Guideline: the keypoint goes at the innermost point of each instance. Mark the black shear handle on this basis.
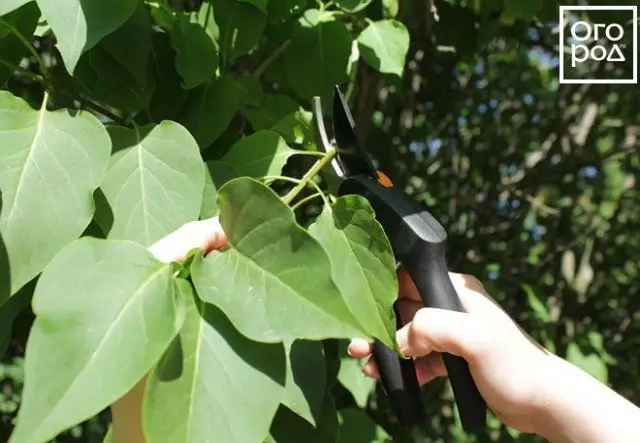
(426, 264)
(419, 242)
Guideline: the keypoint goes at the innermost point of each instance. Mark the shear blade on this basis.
(352, 157)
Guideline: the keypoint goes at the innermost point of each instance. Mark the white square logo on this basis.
(592, 50)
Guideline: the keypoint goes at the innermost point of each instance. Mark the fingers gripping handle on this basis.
(400, 382)
(427, 267)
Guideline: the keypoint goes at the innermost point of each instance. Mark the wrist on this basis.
(575, 407)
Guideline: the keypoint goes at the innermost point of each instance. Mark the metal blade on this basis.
(321, 135)
(353, 158)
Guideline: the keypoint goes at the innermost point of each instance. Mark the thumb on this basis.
(440, 330)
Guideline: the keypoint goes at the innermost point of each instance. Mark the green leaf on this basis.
(523, 10)
(249, 90)
(352, 379)
(154, 181)
(306, 379)
(12, 49)
(274, 282)
(390, 8)
(216, 175)
(80, 24)
(362, 263)
(133, 57)
(317, 57)
(214, 383)
(287, 427)
(209, 110)
(488, 6)
(46, 186)
(355, 426)
(108, 438)
(197, 57)
(239, 26)
(8, 6)
(5, 269)
(105, 312)
(274, 108)
(384, 45)
(590, 363)
(10, 311)
(283, 9)
(353, 6)
(259, 154)
(297, 127)
(112, 83)
(169, 96)
(536, 304)
(262, 5)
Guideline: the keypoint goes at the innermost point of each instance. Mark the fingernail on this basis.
(349, 351)
(402, 339)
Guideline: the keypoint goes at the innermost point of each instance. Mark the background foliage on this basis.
(459, 101)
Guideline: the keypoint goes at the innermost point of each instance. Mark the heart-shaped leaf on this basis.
(134, 58)
(80, 24)
(274, 282)
(259, 154)
(274, 108)
(239, 26)
(51, 164)
(384, 45)
(317, 57)
(105, 312)
(213, 383)
(209, 110)
(197, 56)
(154, 181)
(362, 263)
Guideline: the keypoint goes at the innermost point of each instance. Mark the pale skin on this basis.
(528, 388)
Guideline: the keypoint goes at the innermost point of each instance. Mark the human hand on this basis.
(205, 235)
(508, 366)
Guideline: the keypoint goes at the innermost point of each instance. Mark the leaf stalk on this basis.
(308, 176)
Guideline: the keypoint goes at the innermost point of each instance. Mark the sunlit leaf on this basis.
(214, 383)
(259, 154)
(384, 46)
(52, 162)
(80, 24)
(362, 263)
(8, 6)
(274, 282)
(154, 181)
(105, 312)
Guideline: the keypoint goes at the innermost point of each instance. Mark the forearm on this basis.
(578, 408)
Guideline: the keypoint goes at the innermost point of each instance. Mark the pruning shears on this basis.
(418, 241)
